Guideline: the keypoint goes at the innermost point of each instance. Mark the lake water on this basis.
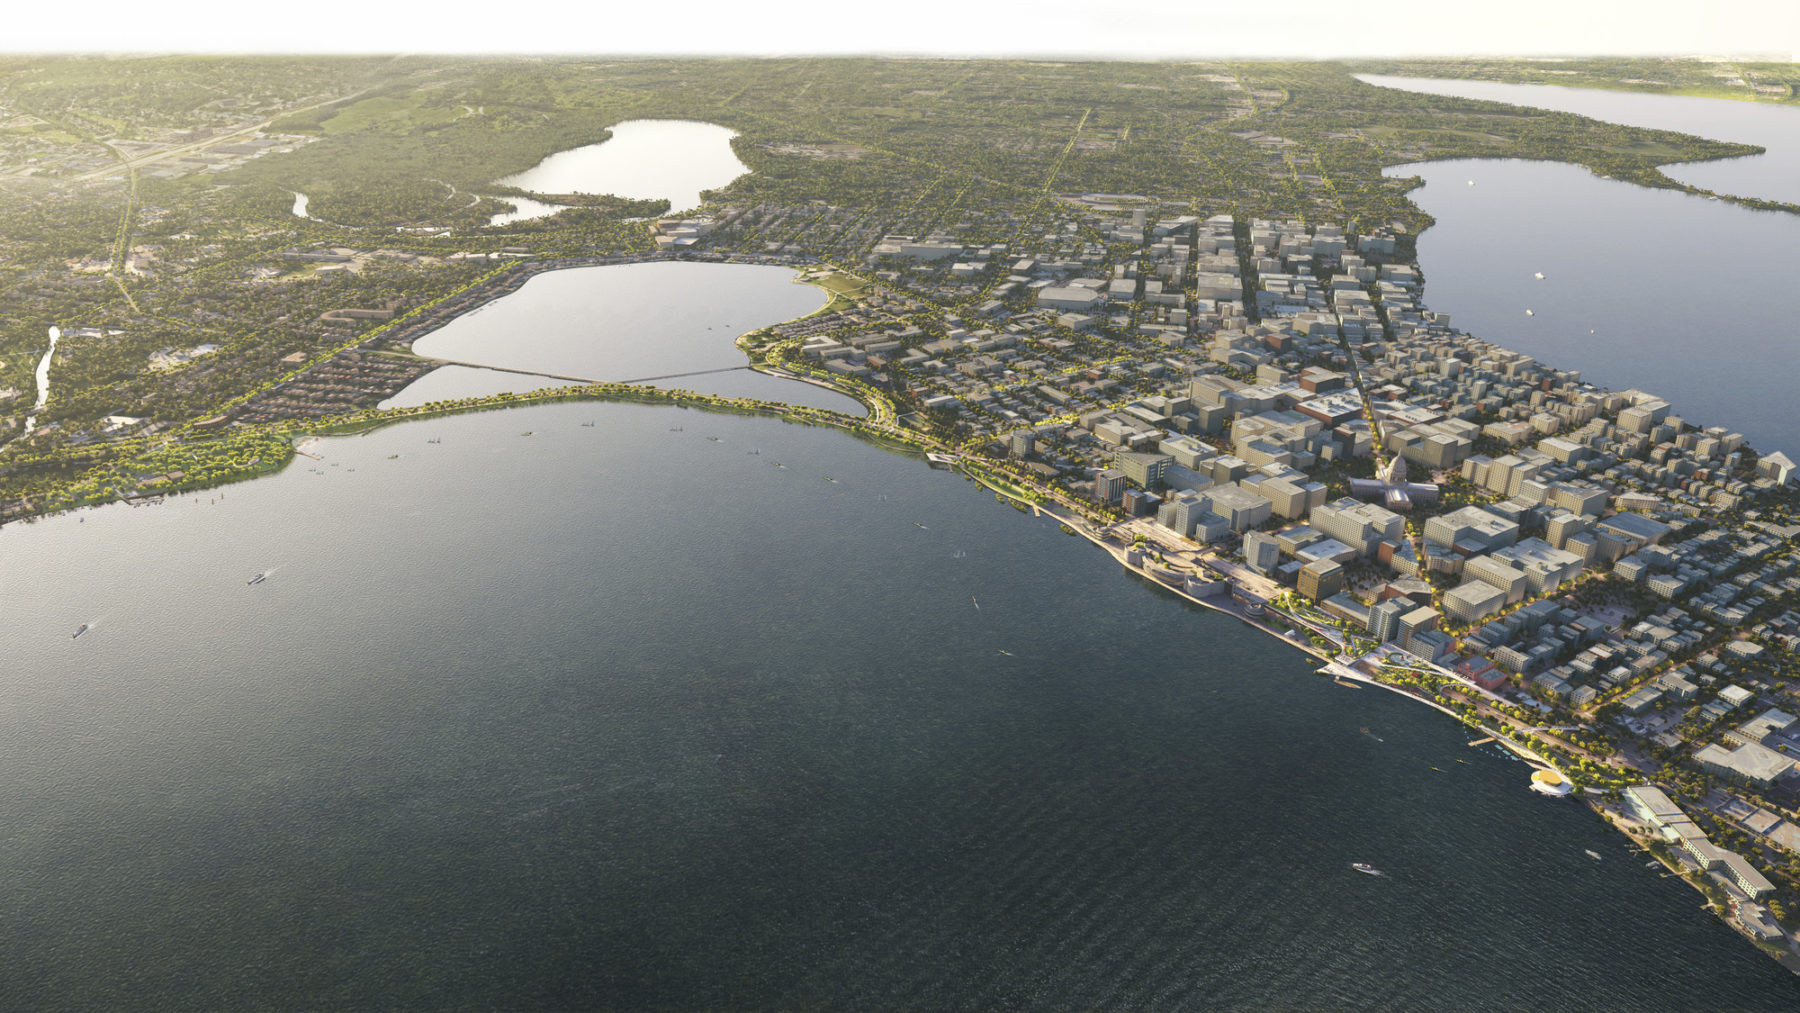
(43, 382)
(1656, 289)
(642, 159)
(1774, 175)
(524, 209)
(511, 725)
(626, 322)
(1683, 296)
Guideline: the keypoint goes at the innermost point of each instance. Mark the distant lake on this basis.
(1655, 289)
(626, 322)
(1771, 176)
(642, 159)
(1683, 296)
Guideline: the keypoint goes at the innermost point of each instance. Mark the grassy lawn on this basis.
(842, 288)
(387, 115)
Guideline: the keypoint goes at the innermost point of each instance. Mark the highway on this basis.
(241, 133)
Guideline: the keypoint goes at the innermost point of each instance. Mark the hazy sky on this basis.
(1136, 28)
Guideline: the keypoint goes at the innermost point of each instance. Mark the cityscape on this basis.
(1176, 310)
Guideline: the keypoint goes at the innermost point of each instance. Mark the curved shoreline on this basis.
(890, 440)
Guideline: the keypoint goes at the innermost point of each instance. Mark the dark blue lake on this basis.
(624, 716)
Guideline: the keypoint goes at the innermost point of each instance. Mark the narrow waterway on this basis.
(43, 382)
(524, 209)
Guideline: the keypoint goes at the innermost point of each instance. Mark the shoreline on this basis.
(299, 436)
(878, 425)
(1595, 803)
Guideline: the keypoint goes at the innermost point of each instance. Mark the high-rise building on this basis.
(1320, 579)
(1261, 552)
(1384, 618)
(1416, 620)
(1357, 524)
(1144, 470)
(1109, 485)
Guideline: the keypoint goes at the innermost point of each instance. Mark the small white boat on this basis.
(1365, 868)
(1539, 276)
(1595, 855)
(1530, 314)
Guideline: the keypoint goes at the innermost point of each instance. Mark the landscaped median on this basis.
(1028, 497)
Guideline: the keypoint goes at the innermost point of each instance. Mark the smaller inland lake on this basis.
(643, 159)
(626, 322)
